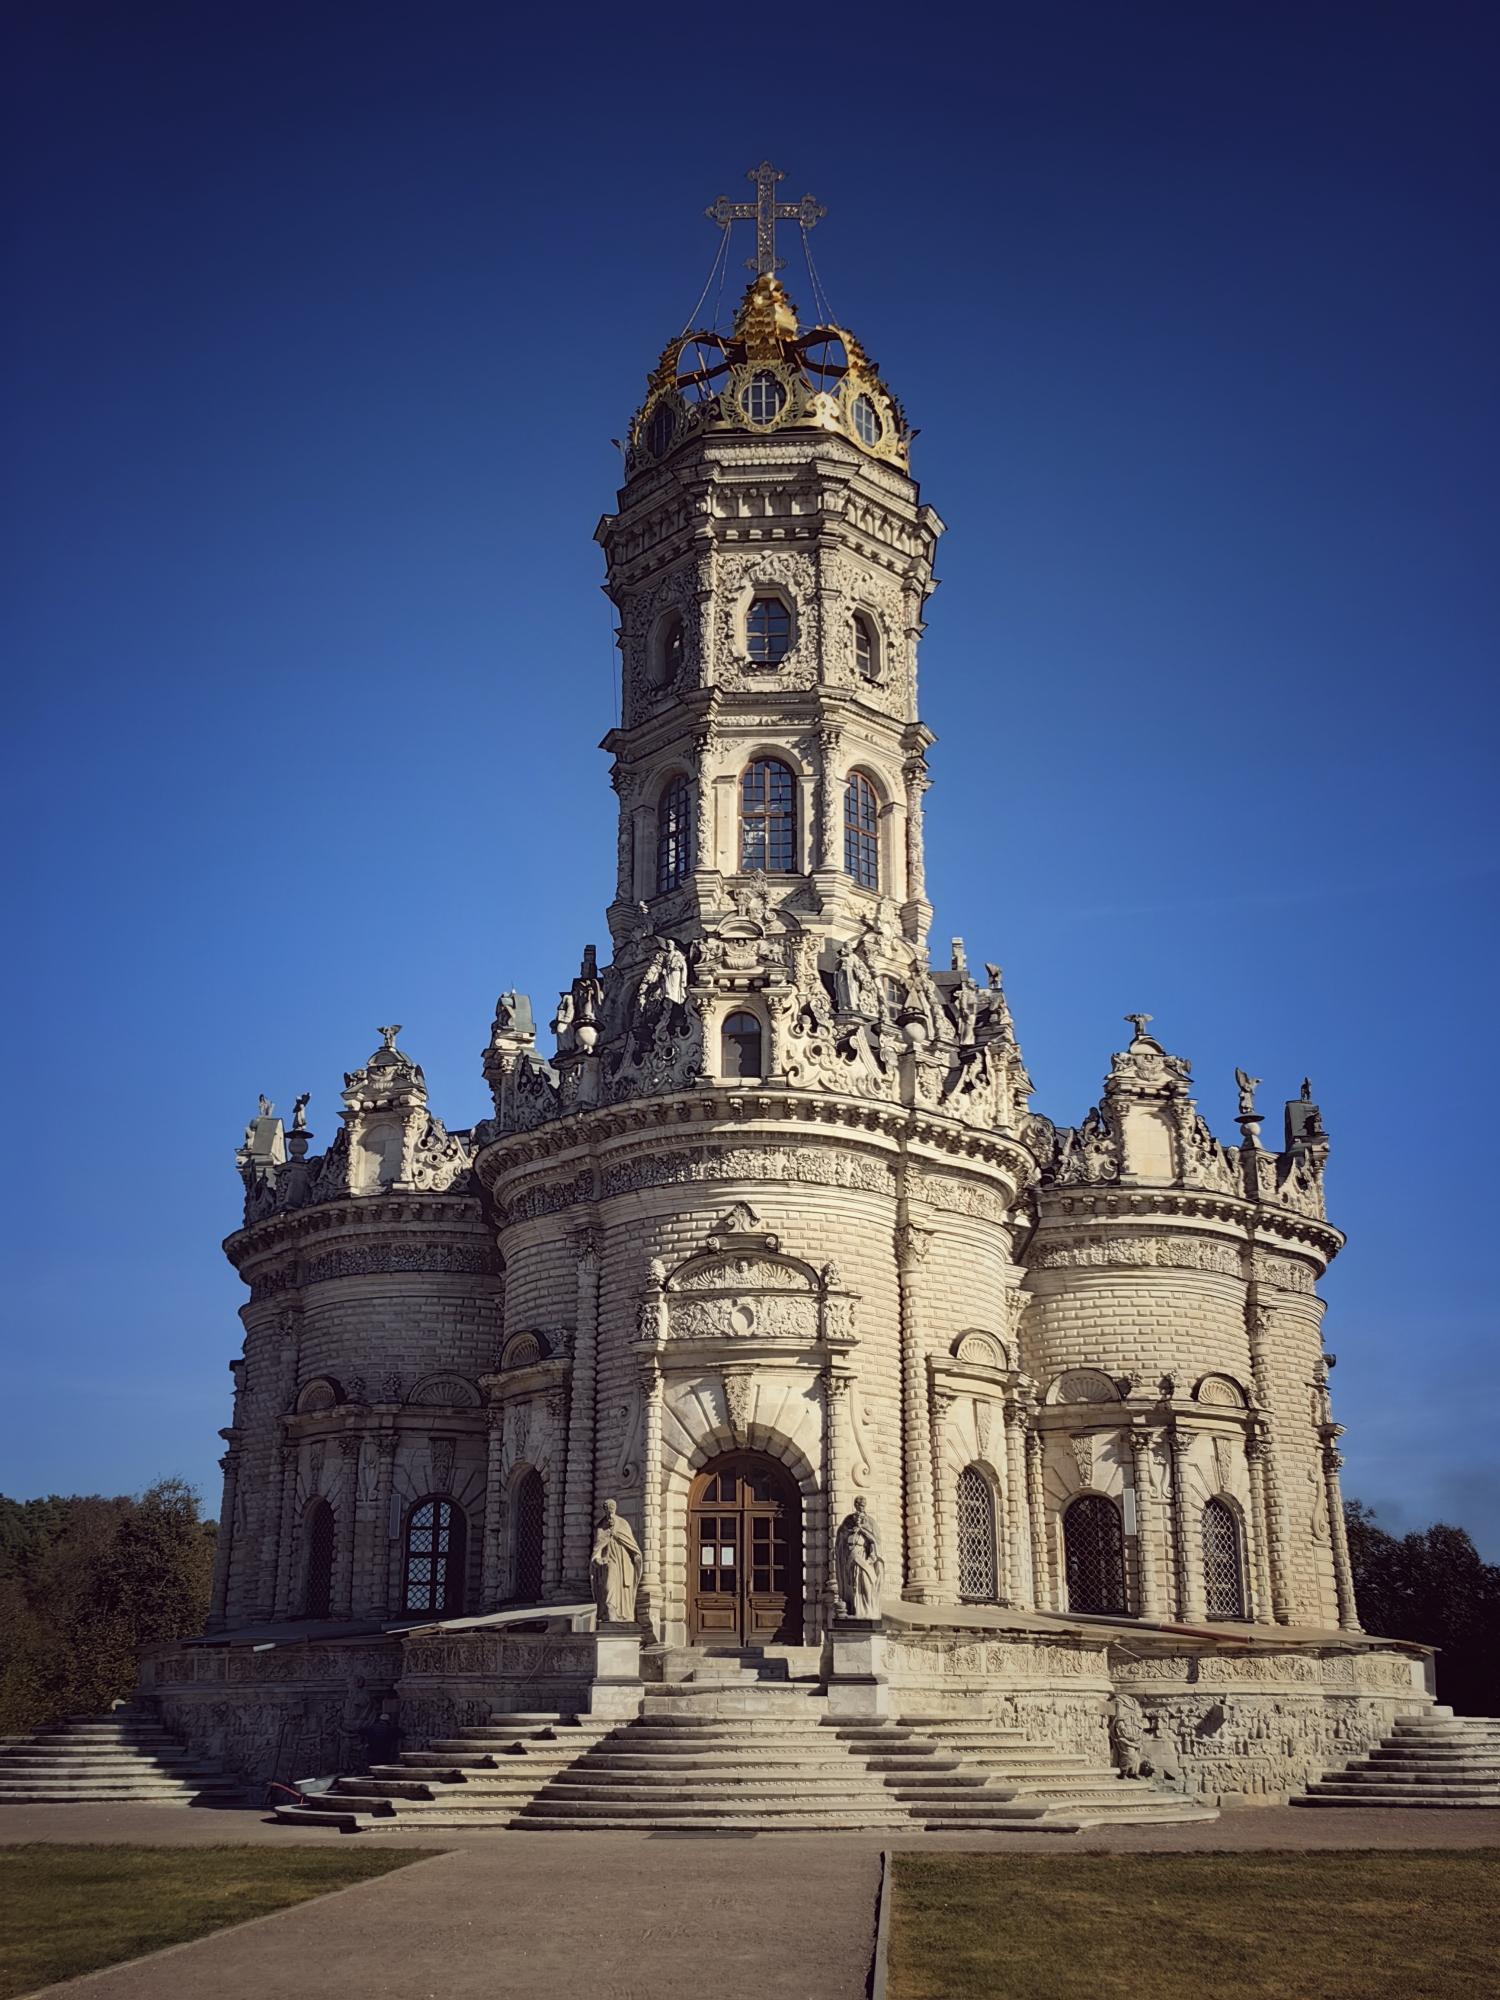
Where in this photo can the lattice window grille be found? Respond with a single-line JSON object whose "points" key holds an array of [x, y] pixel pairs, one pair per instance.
{"points": [[531, 1524], [976, 1537], [1223, 1570], [318, 1594], [1095, 1549]]}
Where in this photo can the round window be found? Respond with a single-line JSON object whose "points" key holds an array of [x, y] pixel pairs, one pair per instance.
{"points": [[661, 430], [867, 424], [762, 397]]}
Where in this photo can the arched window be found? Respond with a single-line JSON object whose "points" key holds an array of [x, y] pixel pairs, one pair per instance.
{"points": [[976, 1537], [768, 818], [674, 834], [740, 1054], [861, 833], [432, 1567], [530, 1503], [318, 1531], [1223, 1570], [1095, 1548], [866, 651], [768, 631]]}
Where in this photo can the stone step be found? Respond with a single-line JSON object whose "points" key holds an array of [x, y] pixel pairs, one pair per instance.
{"points": [[1397, 1777], [103, 1760], [767, 1813], [1317, 1795], [1395, 1794]]}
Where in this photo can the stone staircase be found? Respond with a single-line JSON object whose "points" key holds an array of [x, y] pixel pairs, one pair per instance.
{"points": [[480, 1777], [741, 1746], [124, 1757], [1432, 1759]]}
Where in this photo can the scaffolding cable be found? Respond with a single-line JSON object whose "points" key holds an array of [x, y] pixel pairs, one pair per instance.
{"points": [[820, 297], [720, 257]]}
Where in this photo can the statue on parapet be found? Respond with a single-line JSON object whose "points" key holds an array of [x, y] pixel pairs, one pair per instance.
{"points": [[615, 1568]]}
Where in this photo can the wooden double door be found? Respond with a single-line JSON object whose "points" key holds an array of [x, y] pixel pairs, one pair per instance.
{"points": [[745, 1552]]}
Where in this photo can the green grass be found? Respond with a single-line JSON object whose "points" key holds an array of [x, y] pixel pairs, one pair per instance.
{"points": [[66, 1910], [1354, 1925]]}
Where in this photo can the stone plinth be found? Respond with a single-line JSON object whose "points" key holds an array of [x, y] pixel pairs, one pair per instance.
{"points": [[616, 1685], [857, 1683]]}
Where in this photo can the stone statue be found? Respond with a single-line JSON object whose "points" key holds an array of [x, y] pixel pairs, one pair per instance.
{"points": [[562, 1023], [858, 1563], [615, 1568], [266, 1106], [299, 1112], [1307, 1090], [1128, 1735], [854, 988], [664, 983], [963, 1004], [1248, 1087]]}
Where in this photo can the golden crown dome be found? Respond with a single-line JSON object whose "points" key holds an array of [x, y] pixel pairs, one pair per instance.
{"points": [[766, 376]]}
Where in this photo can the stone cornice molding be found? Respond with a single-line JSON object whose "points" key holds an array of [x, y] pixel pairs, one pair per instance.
{"points": [[731, 1112], [355, 1215], [1255, 1222]]}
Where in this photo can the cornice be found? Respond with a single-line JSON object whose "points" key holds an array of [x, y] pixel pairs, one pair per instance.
{"points": [[355, 1215], [734, 1115], [1059, 1209]]}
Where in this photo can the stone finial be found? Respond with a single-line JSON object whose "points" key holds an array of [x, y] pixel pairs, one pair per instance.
{"points": [[1139, 1022]]}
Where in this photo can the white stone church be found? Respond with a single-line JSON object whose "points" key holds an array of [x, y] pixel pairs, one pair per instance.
{"points": [[764, 1226]]}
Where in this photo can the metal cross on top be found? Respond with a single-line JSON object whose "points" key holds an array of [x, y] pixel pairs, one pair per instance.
{"points": [[765, 212]]}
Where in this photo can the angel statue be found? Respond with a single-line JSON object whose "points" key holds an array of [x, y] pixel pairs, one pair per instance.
{"points": [[1248, 1087]]}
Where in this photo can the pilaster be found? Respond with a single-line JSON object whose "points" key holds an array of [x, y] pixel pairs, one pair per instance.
{"points": [[912, 1246], [1193, 1607], [578, 1505], [1022, 1584], [1153, 1600]]}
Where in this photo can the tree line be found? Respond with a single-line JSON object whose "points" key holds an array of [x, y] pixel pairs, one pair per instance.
{"points": [[85, 1582], [1433, 1586]]}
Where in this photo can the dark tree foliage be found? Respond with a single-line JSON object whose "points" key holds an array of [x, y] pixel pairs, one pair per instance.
{"points": [[1432, 1586], [84, 1583]]}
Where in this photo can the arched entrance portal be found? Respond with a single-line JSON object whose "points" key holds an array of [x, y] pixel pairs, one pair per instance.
{"points": [[745, 1549]]}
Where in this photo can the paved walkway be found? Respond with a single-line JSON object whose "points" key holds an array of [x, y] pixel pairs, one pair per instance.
{"points": [[614, 1916]]}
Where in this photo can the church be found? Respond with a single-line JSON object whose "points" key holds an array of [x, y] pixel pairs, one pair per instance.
{"points": [[767, 1359]]}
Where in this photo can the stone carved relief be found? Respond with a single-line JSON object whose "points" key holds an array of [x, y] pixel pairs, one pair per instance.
{"points": [[1082, 1449], [628, 1464], [738, 1388], [737, 1274], [835, 1167], [1187, 1253], [779, 1317], [439, 1158], [1083, 1385]]}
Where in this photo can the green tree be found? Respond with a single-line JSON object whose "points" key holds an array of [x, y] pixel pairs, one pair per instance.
{"points": [[84, 1583], [1432, 1585]]}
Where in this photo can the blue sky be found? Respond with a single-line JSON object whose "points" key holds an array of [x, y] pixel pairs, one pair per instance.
{"points": [[322, 320]]}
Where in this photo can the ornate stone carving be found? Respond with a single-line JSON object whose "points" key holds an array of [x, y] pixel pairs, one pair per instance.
{"points": [[1187, 1253], [739, 1386]]}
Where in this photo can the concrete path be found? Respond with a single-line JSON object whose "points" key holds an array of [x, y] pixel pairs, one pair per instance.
{"points": [[612, 1916]]}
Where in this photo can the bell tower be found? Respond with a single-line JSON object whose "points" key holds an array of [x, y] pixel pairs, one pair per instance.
{"points": [[769, 559]]}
